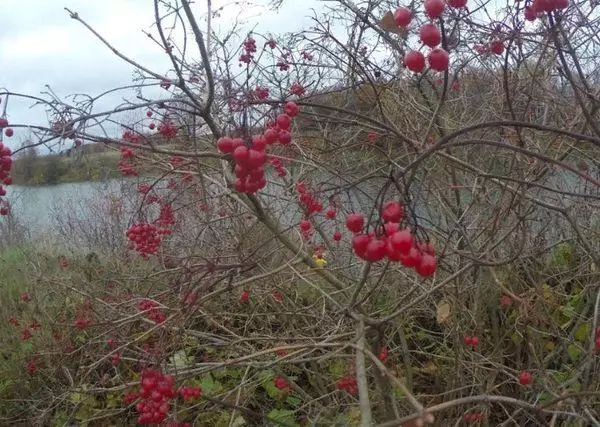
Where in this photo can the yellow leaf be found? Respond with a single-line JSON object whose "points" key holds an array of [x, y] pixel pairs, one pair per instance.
{"points": [[443, 313], [320, 261]]}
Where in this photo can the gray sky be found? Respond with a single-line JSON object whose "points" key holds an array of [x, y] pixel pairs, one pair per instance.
{"points": [[40, 44]]}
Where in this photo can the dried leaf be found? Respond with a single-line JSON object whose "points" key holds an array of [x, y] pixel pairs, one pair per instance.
{"points": [[388, 23], [443, 312]]}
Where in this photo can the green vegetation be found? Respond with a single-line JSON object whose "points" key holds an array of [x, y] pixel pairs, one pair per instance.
{"points": [[59, 168], [50, 376]]}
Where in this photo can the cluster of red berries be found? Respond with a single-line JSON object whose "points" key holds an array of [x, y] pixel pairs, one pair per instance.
{"points": [[308, 200], [176, 161], [131, 137], [538, 7], [495, 46], [297, 89], [188, 393], [525, 378], [5, 178], [125, 163], [144, 188], [281, 383], [471, 341], [166, 217], [395, 243], [156, 392], [4, 125], [146, 238], [474, 417], [278, 166], [307, 55], [26, 334], [349, 384], [82, 323], [167, 129], [32, 364], [261, 92], [249, 50], [429, 34], [249, 161], [152, 310], [283, 64]]}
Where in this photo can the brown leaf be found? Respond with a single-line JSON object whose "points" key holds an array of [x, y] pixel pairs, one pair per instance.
{"points": [[388, 23], [443, 312]]}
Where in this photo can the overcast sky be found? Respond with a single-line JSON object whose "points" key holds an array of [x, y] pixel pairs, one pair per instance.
{"points": [[40, 44]]}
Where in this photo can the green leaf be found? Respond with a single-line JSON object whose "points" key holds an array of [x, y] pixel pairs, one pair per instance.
{"points": [[574, 352], [283, 416], [337, 368], [582, 333], [545, 397], [575, 387], [516, 337], [293, 400], [180, 359], [209, 385], [26, 346], [265, 376]]}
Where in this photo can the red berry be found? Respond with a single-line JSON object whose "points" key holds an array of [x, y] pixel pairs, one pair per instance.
{"points": [[474, 341], [284, 137], [360, 243], [330, 214], [291, 109], [403, 16], [392, 211], [427, 266], [468, 340], [430, 35], [148, 113], [8, 132], [525, 378], [3, 123], [412, 258], [434, 8], [383, 354], [497, 47], [505, 301], [281, 383], [390, 228], [240, 154], [402, 241], [376, 250], [414, 61], [225, 144], [305, 225], [271, 136], [355, 222], [337, 236], [438, 59], [530, 13], [456, 3], [284, 121]]}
